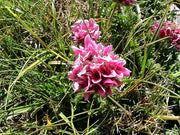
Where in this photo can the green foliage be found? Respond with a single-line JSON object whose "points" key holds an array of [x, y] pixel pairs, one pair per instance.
{"points": [[36, 96]]}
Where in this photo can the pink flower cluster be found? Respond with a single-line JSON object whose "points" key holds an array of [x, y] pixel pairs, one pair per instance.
{"points": [[96, 68], [126, 2], [170, 30], [82, 28]]}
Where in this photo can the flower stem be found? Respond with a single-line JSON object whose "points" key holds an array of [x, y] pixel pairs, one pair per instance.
{"points": [[89, 114], [160, 47], [168, 117], [110, 18], [115, 102]]}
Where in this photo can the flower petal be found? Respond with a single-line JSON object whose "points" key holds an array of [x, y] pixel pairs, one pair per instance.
{"points": [[110, 82], [102, 93], [76, 87], [108, 91], [107, 50], [86, 95]]}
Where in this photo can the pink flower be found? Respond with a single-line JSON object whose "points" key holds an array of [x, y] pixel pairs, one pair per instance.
{"points": [[155, 26], [96, 68], [126, 2], [82, 28], [169, 29], [166, 30], [175, 40]]}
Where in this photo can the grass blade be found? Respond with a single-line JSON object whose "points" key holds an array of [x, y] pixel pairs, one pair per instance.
{"points": [[34, 34]]}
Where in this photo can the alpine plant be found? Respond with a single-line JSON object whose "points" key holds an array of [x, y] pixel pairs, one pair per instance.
{"points": [[169, 29], [82, 28], [96, 68]]}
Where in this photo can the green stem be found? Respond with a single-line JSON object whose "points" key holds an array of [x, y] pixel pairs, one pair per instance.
{"points": [[143, 65], [30, 30], [115, 102], [110, 18], [141, 47], [161, 22], [89, 114], [160, 47], [168, 117]]}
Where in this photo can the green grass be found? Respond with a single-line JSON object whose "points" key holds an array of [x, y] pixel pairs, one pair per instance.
{"points": [[36, 96]]}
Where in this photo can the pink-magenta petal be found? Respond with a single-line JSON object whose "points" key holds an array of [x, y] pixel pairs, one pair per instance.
{"points": [[86, 95], [112, 74], [123, 70], [120, 76], [78, 62], [107, 50], [127, 72], [110, 82], [100, 47], [76, 87], [108, 91], [89, 85], [118, 82], [102, 93], [96, 80], [83, 71], [95, 75], [178, 47], [76, 50], [71, 76]]}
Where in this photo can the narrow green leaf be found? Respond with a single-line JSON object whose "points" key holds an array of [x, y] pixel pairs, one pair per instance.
{"points": [[34, 34], [145, 57], [18, 111], [141, 47]]}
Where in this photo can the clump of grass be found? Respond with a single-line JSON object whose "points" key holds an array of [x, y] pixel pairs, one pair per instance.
{"points": [[35, 56]]}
